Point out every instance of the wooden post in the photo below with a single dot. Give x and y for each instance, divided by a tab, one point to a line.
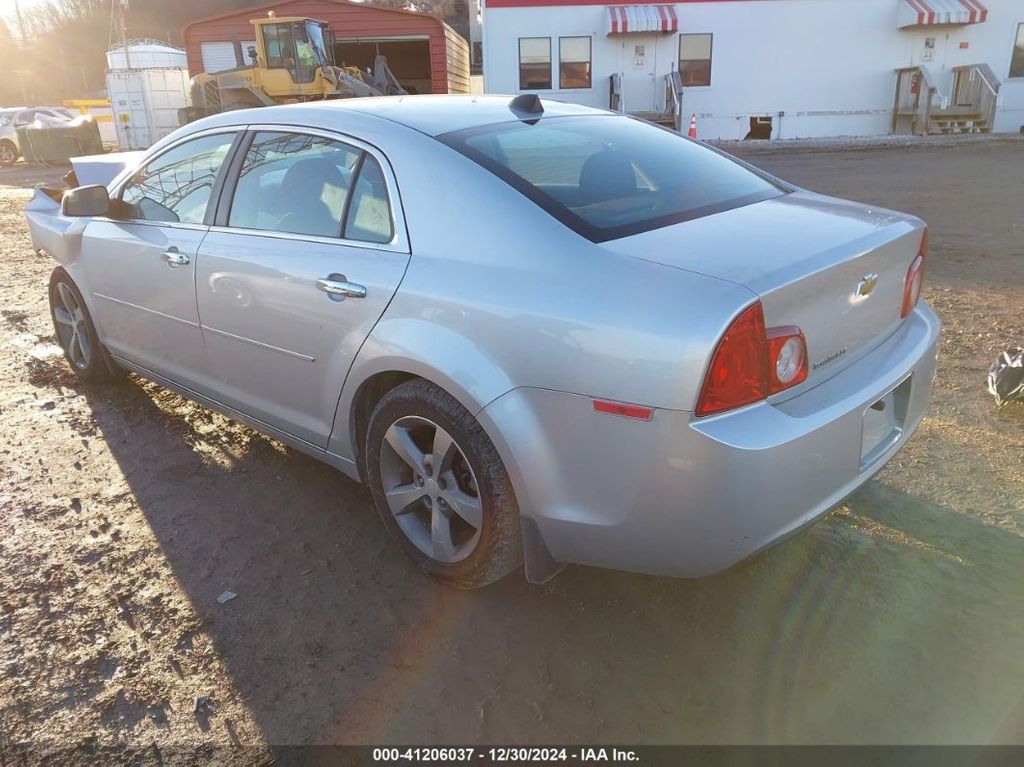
927	109
896	100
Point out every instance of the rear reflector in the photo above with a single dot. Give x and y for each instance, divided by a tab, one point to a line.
914	279
621	408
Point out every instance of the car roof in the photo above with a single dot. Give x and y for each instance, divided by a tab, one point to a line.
432	115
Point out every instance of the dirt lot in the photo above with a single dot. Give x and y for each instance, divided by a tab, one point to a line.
125	512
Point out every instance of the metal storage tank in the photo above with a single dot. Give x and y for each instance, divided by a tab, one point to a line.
147	82
146	54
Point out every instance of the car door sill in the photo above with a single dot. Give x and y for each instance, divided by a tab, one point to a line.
345	465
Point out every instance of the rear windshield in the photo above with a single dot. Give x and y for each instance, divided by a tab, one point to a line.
607	176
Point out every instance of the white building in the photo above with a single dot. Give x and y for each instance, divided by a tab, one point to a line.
790	68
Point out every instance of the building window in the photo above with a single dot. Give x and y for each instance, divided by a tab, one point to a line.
695	59
1017	60
574	62
534	63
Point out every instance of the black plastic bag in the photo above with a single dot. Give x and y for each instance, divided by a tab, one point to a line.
1006	377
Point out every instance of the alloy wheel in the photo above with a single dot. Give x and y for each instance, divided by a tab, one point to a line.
431	489
71	327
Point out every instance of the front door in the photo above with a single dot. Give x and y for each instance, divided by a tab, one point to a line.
306	256
639	65
139	264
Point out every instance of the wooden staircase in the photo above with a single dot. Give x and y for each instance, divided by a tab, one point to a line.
919	108
957	123
668	120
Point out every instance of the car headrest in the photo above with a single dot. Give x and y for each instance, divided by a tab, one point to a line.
307	177
607	175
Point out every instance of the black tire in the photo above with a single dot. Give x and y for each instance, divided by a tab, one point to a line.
498	550
98	367
8	152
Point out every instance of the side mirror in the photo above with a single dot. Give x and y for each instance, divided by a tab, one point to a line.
253	56
86	201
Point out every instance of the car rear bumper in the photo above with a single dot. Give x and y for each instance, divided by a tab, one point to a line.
689	497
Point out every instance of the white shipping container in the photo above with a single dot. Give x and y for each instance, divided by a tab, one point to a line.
146	103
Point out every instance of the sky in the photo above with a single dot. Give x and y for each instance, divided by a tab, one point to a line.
7	8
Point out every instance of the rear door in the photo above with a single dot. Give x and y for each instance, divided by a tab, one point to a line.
309	247
139	263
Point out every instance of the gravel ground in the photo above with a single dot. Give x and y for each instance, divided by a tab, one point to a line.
126	511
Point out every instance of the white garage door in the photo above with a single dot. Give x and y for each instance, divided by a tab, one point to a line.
218	56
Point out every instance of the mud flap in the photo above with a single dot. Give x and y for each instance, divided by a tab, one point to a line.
541	567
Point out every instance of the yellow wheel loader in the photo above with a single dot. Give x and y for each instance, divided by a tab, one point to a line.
292	61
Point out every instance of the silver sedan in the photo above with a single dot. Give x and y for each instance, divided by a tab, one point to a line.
539	332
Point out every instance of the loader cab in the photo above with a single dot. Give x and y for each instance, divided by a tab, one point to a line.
291	52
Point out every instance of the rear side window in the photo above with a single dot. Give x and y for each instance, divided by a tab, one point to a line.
369	213
176	186
311	185
609	176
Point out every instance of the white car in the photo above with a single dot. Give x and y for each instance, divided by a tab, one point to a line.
16	117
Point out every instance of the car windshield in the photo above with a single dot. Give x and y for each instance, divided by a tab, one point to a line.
607	176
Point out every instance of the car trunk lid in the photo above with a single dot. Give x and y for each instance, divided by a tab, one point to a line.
835	269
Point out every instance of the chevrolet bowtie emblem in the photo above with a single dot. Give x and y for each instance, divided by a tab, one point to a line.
866	285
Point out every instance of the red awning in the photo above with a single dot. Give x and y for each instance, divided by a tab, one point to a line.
914	13
623	19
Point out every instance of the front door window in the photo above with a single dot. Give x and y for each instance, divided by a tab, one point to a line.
176	187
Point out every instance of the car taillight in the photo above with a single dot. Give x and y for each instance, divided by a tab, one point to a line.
751	363
915	276
787	358
737	373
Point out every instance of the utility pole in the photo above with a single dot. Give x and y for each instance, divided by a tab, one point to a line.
122	27
24	40
21	82
21	22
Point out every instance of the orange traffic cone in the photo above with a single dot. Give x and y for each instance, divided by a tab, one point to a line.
693	126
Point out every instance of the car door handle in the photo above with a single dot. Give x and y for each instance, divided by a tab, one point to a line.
341	287
174	258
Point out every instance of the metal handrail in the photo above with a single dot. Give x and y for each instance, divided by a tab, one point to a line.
674	97
926	75
980	90
615	92
986	73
